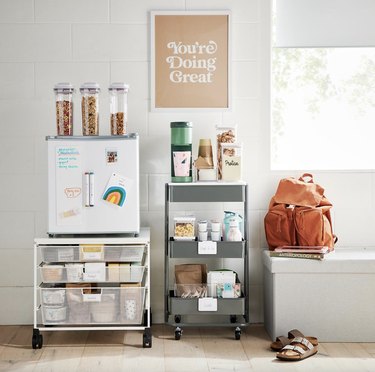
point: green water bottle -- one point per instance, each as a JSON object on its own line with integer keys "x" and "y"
{"x": 181, "y": 151}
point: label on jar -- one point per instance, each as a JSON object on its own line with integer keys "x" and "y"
{"x": 231, "y": 168}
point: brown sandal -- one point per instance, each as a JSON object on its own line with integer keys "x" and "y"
{"x": 282, "y": 341}
{"x": 279, "y": 343}
{"x": 299, "y": 348}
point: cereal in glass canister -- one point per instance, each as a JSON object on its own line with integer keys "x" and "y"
{"x": 90, "y": 109}
{"x": 64, "y": 108}
{"x": 118, "y": 94}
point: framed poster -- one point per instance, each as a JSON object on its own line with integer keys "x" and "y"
{"x": 190, "y": 60}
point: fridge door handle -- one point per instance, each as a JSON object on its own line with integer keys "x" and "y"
{"x": 91, "y": 195}
{"x": 89, "y": 189}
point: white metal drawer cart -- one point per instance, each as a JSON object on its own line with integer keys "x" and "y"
{"x": 92, "y": 283}
{"x": 183, "y": 312}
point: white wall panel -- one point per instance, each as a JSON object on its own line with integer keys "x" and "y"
{"x": 18, "y": 151}
{"x": 245, "y": 79}
{"x": 17, "y": 80}
{"x": 20, "y": 269}
{"x": 242, "y": 10}
{"x": 17, "y": 305}
{"x": 35, "y": 42}
{"x": 30, "y": 192}
{"x": 135, "y": 74}
{"x": 14, "y": 11}
{"x": 143, "y": 192}
{"x": 72, "y": 11}
{"x": 110, "y": 42}
{"x": 130, "y": 11}
{"x": 47, "y": 74}
{"x": 245, "y": 41}
{"x": 16, "y": 232}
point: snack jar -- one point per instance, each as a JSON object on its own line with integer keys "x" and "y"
{"x": 224, "y": 134}
{"x": 184, "y": 228}
{"x": 90, "y": 108}
{"x": 64, "y": 108}
{"x": 118, "y": 93}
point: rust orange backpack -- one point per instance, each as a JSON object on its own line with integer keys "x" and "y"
{"x": 299, "y": 214}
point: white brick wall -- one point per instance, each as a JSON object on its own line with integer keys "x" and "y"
{"x": 48, "y": 41}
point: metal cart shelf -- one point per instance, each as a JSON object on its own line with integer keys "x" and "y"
{"x": 67, "y": 297}
{"x": 231, "y": 312}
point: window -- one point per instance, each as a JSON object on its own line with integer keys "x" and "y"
{"x": 323, "y": 108}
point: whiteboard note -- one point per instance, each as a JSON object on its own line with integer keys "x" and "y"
{"x": 68, "y": 186}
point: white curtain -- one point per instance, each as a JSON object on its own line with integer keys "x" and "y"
{"x": 325, "y": 23}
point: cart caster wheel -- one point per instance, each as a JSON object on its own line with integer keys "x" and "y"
{"x": 237, "y": 334}
{"x": 177, "y": 318}
{"x": 37, "y": 340}
{"x": 147, "y": 339}
{"x": 233, "y": 318}
{"x": 177, "y": 333}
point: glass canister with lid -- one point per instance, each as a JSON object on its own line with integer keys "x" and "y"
{"x": 64, "y": 108}
{"x": 118, "y": 94}
{"x": 90, "y": 108}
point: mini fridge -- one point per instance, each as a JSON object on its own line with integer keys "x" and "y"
{"x": 93, "y": 185}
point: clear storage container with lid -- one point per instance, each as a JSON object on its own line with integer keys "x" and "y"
{"x": 64, "y": 108}
{"x": 224, "y": 134}
{"x": 90, "y": 108}
{"x": 118, "y": 93}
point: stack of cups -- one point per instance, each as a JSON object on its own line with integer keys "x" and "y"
{"x": 202, "y": 230}
{"x": 215, "y": 230}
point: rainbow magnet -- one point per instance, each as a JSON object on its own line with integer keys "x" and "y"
{"x": 115, "y": 195}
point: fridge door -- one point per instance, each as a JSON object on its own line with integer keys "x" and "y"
{"x": 93, "y": 185}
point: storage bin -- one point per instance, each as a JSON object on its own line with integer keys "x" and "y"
{"x": 59, "y": 254}
{"x": 190, "y": 290}
{"x": 91, "y": 252}
{"x": 106, "y": 309}
{"x": 74, "y": 272}
{"x": 53, "y": 314}
{"x": 52, "y": 273}
{"x": 53, "y": 296}
{"x": 79, "y": 311}
{"x": 132, "y": 304}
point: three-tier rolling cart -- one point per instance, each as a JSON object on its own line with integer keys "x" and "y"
{"x": 229, "y": 312}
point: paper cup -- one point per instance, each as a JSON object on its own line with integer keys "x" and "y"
{"x": 202, "y": 236}
{"x": 215, "y": 236}
{"x": 215, "y": 226}
{"x": 202, "y": 226}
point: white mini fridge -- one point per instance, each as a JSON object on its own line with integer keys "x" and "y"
{"x": 93, "y": 185}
